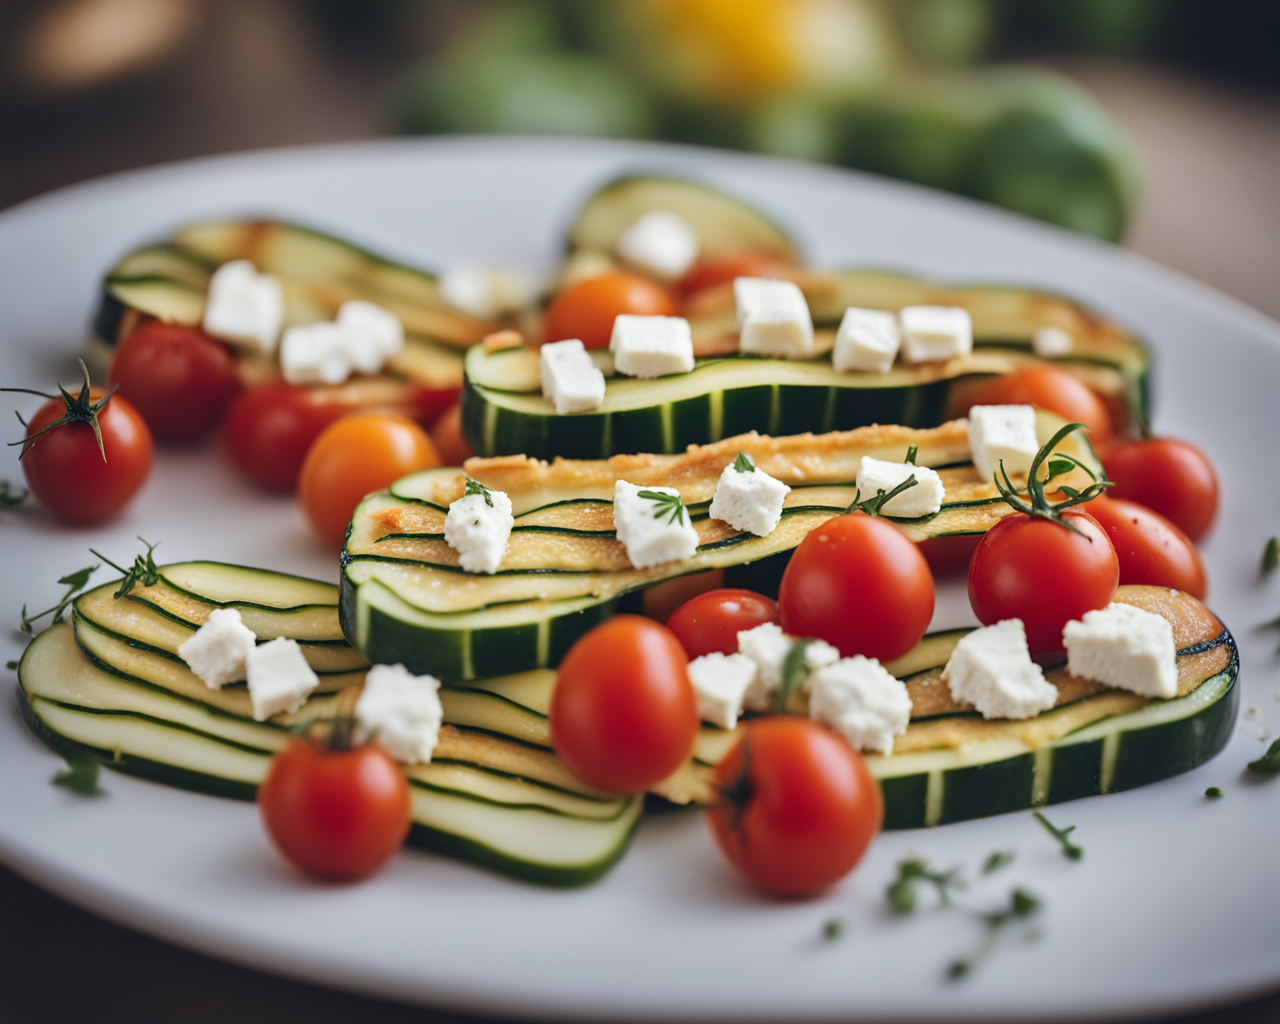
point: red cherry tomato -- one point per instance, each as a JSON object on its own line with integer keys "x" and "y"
{"x": 801, "y": 815}
{"x": 65, "y": 468}
{"x": 356, "y": 455}
{"x": 336, "y": 814}
{"x": 1049, "y": 388}
{"x": 949, "y": 556}
{"x": 586, "y": 310}
{"x": 177, "y": 377}
{"x": 712, "y": 621}
{"x": 1172, "y": 477}
{"x": 724, "y": 268}
{"x": 1042, "y": 573}
{"x": 859, "y": 584}
{"x": 446, "y": 435}
{"x": 623, "y": 712}
{"x": 1150, "y": 548}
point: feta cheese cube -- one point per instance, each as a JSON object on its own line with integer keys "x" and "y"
{"x": 749, "y": 500}
{"x": 571, "y": 381}
{"x": 244, "y": 307}
{"x": 1125, "y": 647}
{"x": 859, "y": 699}
{"x": 1051, "y": 342}
{"x": 935, "y": 332}
{"x": 651, "y": 346}
{"x": 315, "y": 354}
{"x": 216, "y": 651}
{"x": 720, "y": 682}
{"x": 653, "y": 530}
{"x": 280, "y": 680}
{"x": 478, "y": 527}
{"x": 485, "y": 292}
{"x": 868, "y": 339}
{"x": 992, "y": 669}
{"x": 924, "y": 499}
{"x": 1003, "y": 433}
{"x": 372, "y": 335}
{"x": 401, "y": 712}
{"x": 773, "y": 318}
{"x": 767, "y": 645}
{"x": 660, "y": 242}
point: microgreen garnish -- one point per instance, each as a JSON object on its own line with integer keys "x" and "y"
{"x": 1040, "y": 506}
{"x": 872, "y": 506}
{"x": 902, "y": 893}
{"x": 80, "y": 776}
{"x": 1213, "y": 792}
{"x": 476, "y": 487}
{"x": 1271, "y": 556}
{"x": 668, "y": 505}
{"x": 11, "y": 496}
{"x": 832, "y": 929}
{"x": 996, "y": 861}
{"x": 143, "y": 569}
{"x": 79, "y": 410}
{"x": 910, "y": 460}
{"x": 1268, "y": 763}
{"x": 795, "y": 670}
{"x": 74, "y": 582}
{"x": 1069, "y": 849}
{"x": 1021, "y": 906}
{"x": 743, "y": 463}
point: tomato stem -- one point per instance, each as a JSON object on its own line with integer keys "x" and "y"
{"x": 1039, "y": 505}
{"x": 872, "y": 506}
{"x": 79, "y": 410}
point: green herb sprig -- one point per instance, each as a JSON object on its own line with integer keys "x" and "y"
{"x": 1268, "y": 763}
{"x": 74, "y": 582}
{"x": 476, "y": 487}
{"x": 1039, "y": 505}
{"x": 668, "y": 505}
{"x": 142, "y": 571}
{"x": 902, "y": 892}
{"x": 832, "y": 929}
{"x": 1022, "y": 905}
{"x": 743, "y": 463}
{"x": 1270, "y": 556}
{"x": 80, "y": 776}
{"x": 1069, "y": 849}
{"x": 11, "y": 495}
{"x": 912, "y": 451}
{"x": 795, "y": 670}
{"x": 996, "y": 861}
{"x": 872, "y": 506}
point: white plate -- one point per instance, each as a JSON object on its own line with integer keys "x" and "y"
{"x": 1173, "y": 905}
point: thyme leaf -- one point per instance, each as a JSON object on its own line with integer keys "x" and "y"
{"x": 80, "y": 776}
{"x": 795, "y": 670}
{"x": 11, "y": 495}
{"x": 997, "y": 860}
{"x": 669, "y": 505}
{"x": 872, "y": 506}
{"x": 910, "y": 460}
{"x": 1271, "y": 556}
{"x": 1268, "y": 763}
{"x": 1069, "y": 849}
{"x": 1213, "y": 792}
{"x": 142, "y": 571}
{"x": 902, "y": 892}
{"x": 1022, "y": 905}
{"x": 74, "y": 582}
{"x": 476, "y": 487}
{"x": 743, "y": 463}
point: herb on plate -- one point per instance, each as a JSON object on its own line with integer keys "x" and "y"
{"x": 74, "y": 582}
{"x": 902, "y": 893}
{"x": 11, "y": 496}
{"x": 1022, "y": 905}
{"x": 1069, "y": 849}
{"x": 143, "y": 570}
{"x": 832, "y": 929}
{"x": 1213, "y": 792}
{"x": 996, "y": 861}
{"x": 1271, "y": 556}
{"x": 1268, "y": 763}
{"x": 80, "y": 776}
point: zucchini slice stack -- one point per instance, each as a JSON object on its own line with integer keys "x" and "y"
{"x": 111, "y": 685}
{"x": 725, "y": 394}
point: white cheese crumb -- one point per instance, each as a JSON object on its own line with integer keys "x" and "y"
{"x": 868, "y": 339}
{"x": 773, "y": 318}
{"x": 924, "y": 499}
{"x": 478, "y": 529}
{"x": 721, "y": 682}
{"x": 992, "y": 669}
{"x": 315, "y": 354}
{"x": 401, "y": 712}
{"x": 935, "y": 332}
{"x": 767, "y": 645}
{"x": 750, "y": 501}
{"x": 244, "y": 307}
{"x": 659, "y": 242}
{"x": 651, "y": 346}
{"x": 1125, "y": 647}
{"x": 485, "y": 292}
{"x": 571, "y": 381}
{"x": 859, "y": 699}
{"x": 1003, "y": 432}
{"x": 653, "y": 532}
{"x": 371, "y": 334}
{"x": 1050, "y": 342}
{"x": 280, "y": 680}
{"x": 216, "y": 652}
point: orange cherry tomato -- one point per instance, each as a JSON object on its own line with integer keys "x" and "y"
{"x": 446, "y": 435}
{"x": 352, "y": 457}
{"x": 1172, "y": 477}
{"x": 1049, "y": 388}
{"x": 1150, "y": 548}
{"x": 586, "y": 310}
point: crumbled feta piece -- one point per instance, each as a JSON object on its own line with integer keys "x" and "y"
{"x": 992, "y": 669}
{"x": 748, "y": 499}
{"x": 371, "y": 334}
{"x": 401, "y": 712}
{"x": 767, "y": 645}
{"x": 859, "y": 699}
{"x": 478, "y": 527}
{"x": 1003, "y": 433}
{"x": 660, "y": 242}
{"x": 280, "y": 680}
{"x": 315, "y": 354}
{"x": 935, "y": 332}
{"x": 485, "y": 292}
{"x": 1125, "y": 647}
{"x": 868, "y": 339}
{"x": 651, "y": 346}
{"x": 244, "y": 307}
{"x": 653, "y": 530}
{"x": 721, "y": 682}
{"x": 1049, "y": 342}
{"x": 773, "y": 318}
{"x": 217, "y": 650}
{"x": 571, "y": 381}
{"x": 924, "y": 499}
